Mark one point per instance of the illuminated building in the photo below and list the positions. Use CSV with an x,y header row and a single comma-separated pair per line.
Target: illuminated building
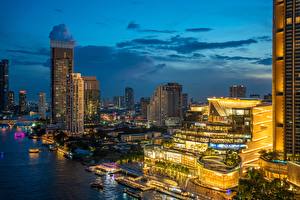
x,y
286,82
226,126
144,104
91,99
75,103
22,102
4,85
42,105
119,101
165,103
129,98
11,101
61,67
237,91
185,101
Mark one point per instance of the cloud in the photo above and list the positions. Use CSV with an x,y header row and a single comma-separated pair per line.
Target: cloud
x,y
195,46
265,61
40,51
264,38
61,33
132,25
157,68
30,63
184,44
58,10
156,31
198,29
233,58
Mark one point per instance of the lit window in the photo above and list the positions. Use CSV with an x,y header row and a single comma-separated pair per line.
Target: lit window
x,y
289,20
298,20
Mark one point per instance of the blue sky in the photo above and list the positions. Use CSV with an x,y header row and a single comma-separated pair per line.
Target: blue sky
x,y
204,45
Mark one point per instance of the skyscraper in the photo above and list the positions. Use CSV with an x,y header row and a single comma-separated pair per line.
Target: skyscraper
x,y
185,101
286,77
237,91
11,101
22,102
4,85
144,104
42,105
129,98
165,103
118,101
75,103
91,99
61,67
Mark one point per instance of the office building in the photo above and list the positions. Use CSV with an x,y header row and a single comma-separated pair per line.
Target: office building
x,y
144,104
286,81
237,91
4,85
185,102
42,107
11,101
91,99
119,102
129,98
61,67
75,104
22,102
165,103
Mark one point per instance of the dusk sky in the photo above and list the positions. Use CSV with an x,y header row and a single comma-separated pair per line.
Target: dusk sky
x,y
204,45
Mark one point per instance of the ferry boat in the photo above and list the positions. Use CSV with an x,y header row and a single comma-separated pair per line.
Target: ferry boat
x,y
97,184
34,150
132,193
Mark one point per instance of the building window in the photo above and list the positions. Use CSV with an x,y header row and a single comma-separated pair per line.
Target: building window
x,y
289,20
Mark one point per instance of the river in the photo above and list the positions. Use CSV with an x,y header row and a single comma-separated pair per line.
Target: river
x,y
47,175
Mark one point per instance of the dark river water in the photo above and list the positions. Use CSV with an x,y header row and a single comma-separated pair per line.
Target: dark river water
x,y
47,175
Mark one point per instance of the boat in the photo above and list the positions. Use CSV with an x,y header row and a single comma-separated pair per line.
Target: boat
x,y
97,184
100,172
132,193
34,150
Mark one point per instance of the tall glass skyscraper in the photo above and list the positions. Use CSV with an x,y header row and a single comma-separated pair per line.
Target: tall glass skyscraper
x,y
4,84
129,98
286,77
61,67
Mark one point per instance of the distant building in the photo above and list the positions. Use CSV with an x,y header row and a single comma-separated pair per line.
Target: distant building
x,y
11,101
237,91
61,67
140,136
4,85
185,102
91,99
75,103
255,96
165,103
129,98
144,104
22,102
268,98
119,101
42,107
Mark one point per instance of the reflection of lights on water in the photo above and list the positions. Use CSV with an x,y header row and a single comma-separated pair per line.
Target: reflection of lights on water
x,y
19,135
33,155
3,129
1,155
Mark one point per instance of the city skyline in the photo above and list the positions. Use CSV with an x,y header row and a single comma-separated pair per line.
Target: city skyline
x,y
200,47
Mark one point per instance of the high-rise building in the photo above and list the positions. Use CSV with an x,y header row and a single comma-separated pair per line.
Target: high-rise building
x,y
61,67
4,85
22,102
75,103
144,104
11,101
91,99
129,98
119,101
286,81
237,91
185,101
165,103
42,107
